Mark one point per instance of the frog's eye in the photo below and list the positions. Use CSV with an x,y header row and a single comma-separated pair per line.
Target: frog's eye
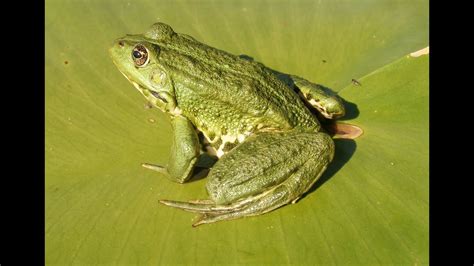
x,y
140,55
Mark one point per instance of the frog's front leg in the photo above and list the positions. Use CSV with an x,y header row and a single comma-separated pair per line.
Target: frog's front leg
x,y
185,151
263,173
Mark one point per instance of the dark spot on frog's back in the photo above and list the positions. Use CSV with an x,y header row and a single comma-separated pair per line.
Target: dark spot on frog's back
x,y
217,143
229,146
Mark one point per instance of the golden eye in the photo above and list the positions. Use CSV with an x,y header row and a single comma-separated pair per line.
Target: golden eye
x,y
140,55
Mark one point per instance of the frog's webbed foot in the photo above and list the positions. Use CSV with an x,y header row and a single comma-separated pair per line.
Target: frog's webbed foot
x,y
262,174
323,99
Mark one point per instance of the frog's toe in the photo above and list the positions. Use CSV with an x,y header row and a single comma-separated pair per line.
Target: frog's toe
x,y
203,206
190,206
260,204
202,201
212,212
155,167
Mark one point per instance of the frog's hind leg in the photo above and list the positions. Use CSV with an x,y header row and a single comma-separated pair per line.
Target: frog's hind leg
x,y
326,101
323,99
265,172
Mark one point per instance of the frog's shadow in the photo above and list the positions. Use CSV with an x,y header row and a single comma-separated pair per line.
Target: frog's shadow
x,y
345,148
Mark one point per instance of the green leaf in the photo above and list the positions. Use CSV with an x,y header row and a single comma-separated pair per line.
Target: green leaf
x,y
371,205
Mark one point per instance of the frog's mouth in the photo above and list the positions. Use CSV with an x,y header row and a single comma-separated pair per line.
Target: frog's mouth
x,y
146,92
157,96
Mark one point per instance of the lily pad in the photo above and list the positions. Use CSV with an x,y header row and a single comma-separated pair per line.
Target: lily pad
x,y
371,205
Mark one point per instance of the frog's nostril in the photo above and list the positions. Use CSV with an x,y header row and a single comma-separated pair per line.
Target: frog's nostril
x,y
121,43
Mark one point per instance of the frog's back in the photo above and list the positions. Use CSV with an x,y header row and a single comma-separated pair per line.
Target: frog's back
x,y
226,94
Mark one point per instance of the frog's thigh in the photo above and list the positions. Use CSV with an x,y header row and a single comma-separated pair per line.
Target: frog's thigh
x,y
266,160
266,172
323,99
185,151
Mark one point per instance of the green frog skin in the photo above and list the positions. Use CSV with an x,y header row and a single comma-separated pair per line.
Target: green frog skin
x,y
257,121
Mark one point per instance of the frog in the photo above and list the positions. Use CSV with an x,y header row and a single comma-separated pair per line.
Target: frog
x,y
261,125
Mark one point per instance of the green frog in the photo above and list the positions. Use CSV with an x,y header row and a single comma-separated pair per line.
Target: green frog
x,y
258,122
